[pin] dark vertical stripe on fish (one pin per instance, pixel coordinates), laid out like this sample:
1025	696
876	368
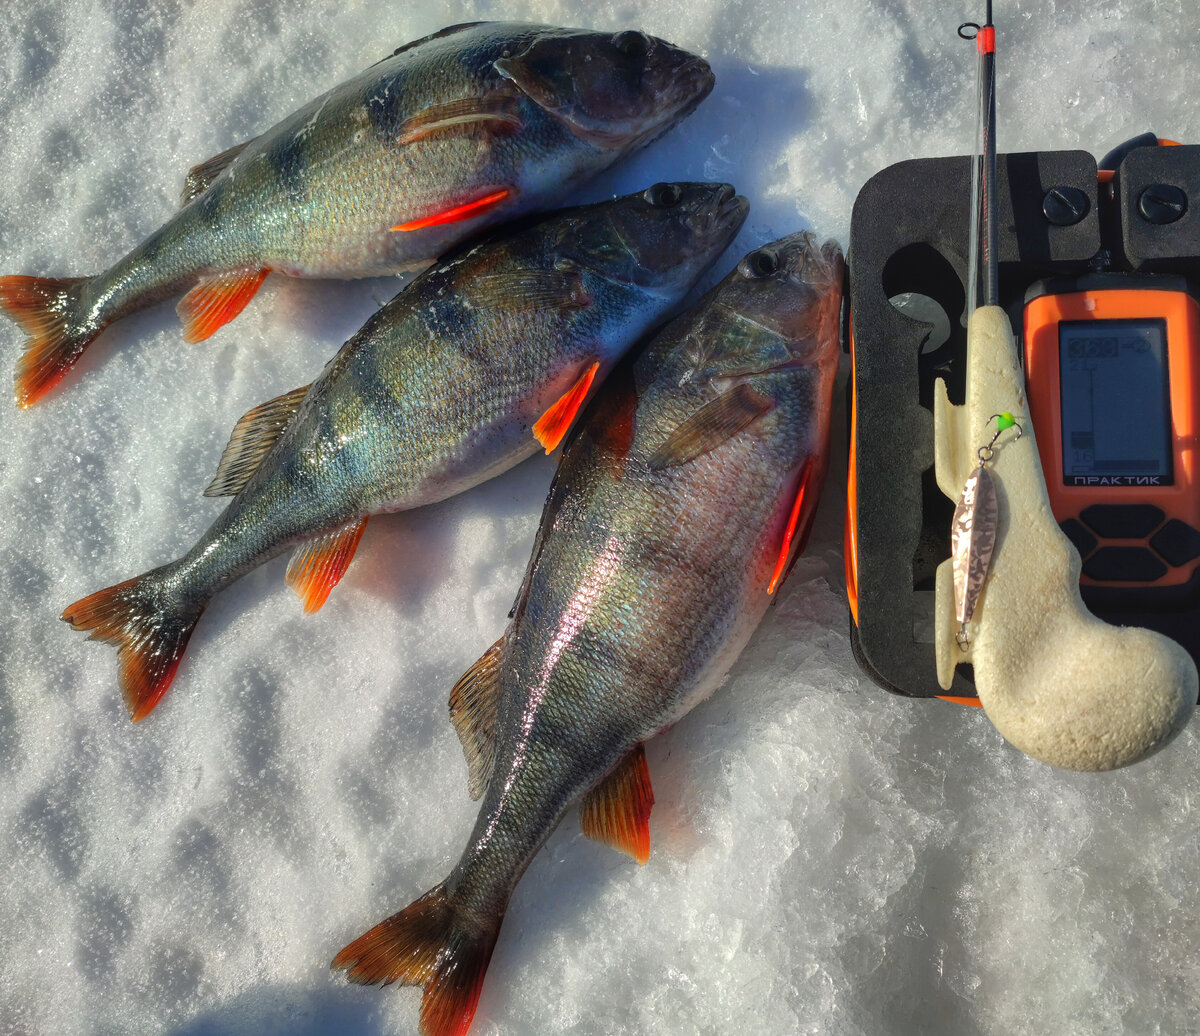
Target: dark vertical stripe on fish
289	159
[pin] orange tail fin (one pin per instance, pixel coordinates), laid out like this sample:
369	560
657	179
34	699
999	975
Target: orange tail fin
151	628
427	944
47	311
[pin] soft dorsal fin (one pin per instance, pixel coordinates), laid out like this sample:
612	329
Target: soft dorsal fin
711	425
497	111
318	566
550	428
199	177
473	713
617	810
251	440
799	521
216	299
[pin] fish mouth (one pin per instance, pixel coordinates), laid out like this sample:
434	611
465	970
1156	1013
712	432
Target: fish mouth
731	210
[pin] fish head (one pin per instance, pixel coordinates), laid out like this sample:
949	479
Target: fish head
660	239
616	91
791	289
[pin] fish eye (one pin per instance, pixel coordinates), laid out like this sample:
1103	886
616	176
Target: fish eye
663	195
762	263
633	45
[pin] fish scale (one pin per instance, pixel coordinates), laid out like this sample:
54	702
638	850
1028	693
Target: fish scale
428	399
472	125
688	486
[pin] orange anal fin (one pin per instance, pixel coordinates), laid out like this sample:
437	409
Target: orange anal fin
318	566
617	810
794	522
216	300
457	213
550	428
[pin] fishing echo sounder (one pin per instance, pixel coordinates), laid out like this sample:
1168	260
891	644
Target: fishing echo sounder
1098	274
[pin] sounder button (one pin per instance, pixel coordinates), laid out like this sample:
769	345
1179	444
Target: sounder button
1083	540
1124	565
1177	541
1122	521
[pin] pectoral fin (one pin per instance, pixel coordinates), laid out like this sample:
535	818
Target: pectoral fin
550	428
216	300
497	112
252	438
473	713
318	566
617	810
200	176
710	426
523	290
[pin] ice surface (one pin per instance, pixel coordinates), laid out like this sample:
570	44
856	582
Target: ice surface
826	858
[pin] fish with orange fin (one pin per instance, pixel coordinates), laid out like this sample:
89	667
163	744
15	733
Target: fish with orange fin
681	499
485	358
474	124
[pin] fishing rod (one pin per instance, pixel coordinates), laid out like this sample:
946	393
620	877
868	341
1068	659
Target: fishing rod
984	262
1056	681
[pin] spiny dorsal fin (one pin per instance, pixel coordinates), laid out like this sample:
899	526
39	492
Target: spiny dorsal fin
550	428
710	426
617	810
200	176
449	30
251	440
498	111
473	713
318	566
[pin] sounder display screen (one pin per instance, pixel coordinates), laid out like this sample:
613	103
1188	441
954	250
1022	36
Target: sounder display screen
1116	414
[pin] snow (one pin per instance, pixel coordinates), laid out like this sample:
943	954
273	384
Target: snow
826	858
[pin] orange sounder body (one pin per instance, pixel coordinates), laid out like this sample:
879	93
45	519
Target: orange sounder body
1111	372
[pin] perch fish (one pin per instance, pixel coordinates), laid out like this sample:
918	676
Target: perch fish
472	125
484	357
680	501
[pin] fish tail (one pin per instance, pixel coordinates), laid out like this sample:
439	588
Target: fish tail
428	943
48	312
151	623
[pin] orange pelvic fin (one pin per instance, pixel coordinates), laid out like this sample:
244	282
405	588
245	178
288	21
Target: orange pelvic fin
617	810
427	944
45	309
151	630
473	712
459	212
550	428
318	566
497	112
799	511
216	300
